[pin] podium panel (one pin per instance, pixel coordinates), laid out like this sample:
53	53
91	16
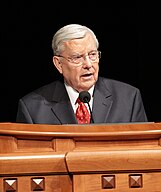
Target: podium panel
80	158
118	182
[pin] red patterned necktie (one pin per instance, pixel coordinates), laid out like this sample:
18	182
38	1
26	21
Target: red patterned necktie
82	113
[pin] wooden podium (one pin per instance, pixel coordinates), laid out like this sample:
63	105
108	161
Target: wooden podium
80	158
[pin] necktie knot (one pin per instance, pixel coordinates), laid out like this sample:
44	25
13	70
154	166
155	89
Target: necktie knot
82	113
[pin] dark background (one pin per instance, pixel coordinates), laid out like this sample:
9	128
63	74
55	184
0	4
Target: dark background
129	35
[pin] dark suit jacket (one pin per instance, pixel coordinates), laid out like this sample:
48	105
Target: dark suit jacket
114	102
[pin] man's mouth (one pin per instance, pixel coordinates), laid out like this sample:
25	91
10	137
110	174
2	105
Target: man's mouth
87	75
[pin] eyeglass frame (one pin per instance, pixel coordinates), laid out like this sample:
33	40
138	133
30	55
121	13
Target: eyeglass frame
70	59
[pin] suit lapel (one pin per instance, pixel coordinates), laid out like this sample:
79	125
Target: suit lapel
64	112
61	106
102	102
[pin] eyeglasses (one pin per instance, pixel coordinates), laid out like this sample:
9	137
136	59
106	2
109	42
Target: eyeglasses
79	59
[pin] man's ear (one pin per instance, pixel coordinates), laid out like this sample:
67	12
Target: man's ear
57	63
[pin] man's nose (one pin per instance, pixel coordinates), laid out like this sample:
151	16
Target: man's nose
87	62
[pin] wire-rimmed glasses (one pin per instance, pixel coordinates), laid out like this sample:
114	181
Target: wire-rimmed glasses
79	59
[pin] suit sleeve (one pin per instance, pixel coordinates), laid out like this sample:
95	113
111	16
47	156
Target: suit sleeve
23	115
138	109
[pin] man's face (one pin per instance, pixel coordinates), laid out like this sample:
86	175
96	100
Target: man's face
79	76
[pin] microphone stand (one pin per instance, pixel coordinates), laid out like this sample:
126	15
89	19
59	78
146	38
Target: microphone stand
92	121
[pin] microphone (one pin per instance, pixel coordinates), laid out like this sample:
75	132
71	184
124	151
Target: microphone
85	97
